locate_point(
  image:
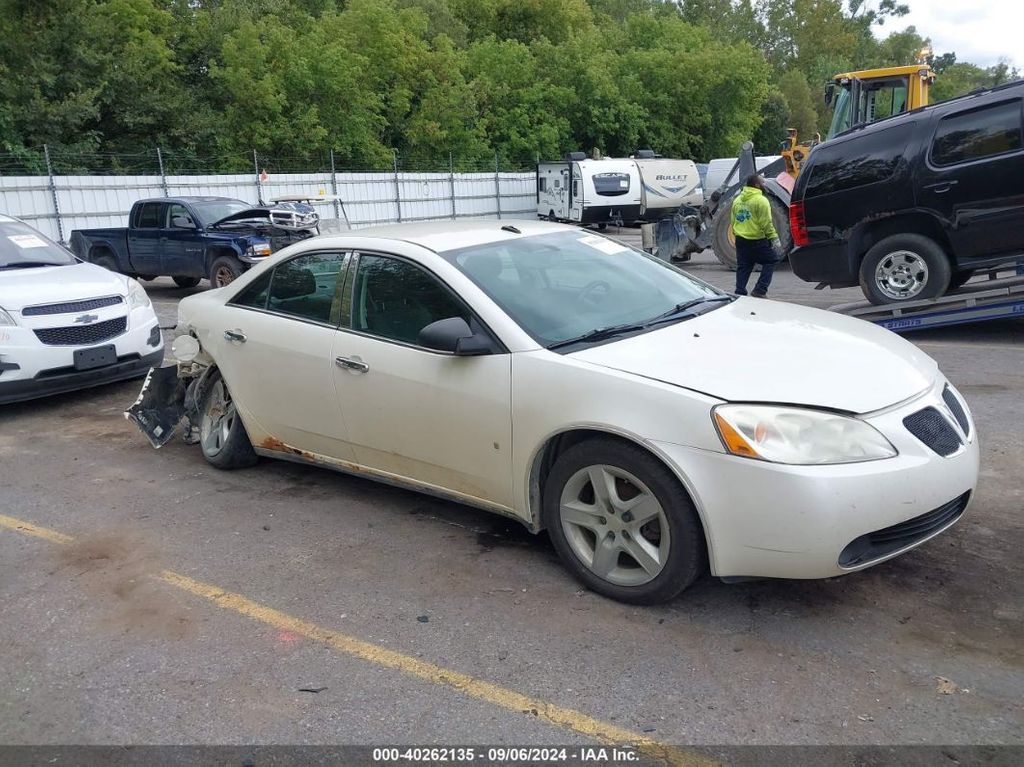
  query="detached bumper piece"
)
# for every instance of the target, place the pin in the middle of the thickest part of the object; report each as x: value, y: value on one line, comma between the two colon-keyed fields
x: 160, y: 406
x: 883, y: 542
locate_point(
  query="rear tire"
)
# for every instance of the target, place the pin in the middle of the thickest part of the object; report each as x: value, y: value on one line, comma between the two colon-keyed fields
x: 723, y: 240
x: 224, y: 271
x: 186, y: 282
x: 106, y: 261
x: 146, y: 277
x: 622, y: 523
x: 904, y: 267
x: 222, y: 437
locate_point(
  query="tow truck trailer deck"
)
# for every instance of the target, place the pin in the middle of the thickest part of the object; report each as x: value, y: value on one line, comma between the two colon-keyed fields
x: 992, y: 299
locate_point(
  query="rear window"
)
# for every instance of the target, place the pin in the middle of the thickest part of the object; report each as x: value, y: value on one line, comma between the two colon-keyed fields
x: 866, y: 159
x: 979, y: 133
x: 148, y: 216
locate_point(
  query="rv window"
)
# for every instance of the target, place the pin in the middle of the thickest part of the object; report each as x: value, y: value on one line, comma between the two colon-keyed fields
x: 611, y: 184
x: 575, y: 188
x: 557, y: 183
x: 542, y: 184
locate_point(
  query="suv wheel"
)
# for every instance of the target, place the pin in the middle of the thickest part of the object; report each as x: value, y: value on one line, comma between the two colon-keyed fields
x: 904, y: 267
x: 622, y: 523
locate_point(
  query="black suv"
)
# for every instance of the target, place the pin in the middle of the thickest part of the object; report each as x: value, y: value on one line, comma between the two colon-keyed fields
x: 910, y: 205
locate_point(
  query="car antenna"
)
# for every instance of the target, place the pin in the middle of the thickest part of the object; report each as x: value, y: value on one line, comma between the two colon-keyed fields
x: 510, y: 228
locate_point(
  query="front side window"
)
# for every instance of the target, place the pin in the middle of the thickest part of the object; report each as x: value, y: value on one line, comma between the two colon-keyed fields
x: 307, y: 287
x: 562, y: 285
x: 395, y: 299
x: 179, y: 218
x: 977, y: 134
x: 149, y: 215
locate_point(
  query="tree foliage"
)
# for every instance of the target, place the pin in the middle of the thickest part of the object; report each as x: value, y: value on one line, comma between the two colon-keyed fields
x: 425, y: 79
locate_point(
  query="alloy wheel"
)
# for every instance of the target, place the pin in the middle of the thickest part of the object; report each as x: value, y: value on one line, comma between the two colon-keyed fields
x: 615, y: 525
x: 223, y: 276
x: 901, y: 275
x: 218, y: 418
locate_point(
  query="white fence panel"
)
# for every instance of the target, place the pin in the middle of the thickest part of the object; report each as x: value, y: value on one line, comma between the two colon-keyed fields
x: 88, y: 202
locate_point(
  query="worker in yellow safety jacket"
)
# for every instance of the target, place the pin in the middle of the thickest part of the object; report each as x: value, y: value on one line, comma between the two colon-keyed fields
x: 757, y: 242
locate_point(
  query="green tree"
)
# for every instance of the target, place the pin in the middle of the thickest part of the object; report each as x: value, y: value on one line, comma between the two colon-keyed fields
x: 802, y: 115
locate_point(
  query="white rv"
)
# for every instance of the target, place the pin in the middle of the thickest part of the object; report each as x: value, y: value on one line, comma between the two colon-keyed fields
x: 611, y: 190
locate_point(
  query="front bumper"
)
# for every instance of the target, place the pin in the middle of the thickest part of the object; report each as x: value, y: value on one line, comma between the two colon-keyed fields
x: 31, y: 369
x: 771, y: 520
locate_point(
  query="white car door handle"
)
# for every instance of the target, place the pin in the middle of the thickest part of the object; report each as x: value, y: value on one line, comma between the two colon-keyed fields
x: 235, y: 335
x: 351, y: 364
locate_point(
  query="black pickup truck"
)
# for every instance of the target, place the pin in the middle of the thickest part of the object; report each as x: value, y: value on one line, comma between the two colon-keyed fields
x: 195, y: 238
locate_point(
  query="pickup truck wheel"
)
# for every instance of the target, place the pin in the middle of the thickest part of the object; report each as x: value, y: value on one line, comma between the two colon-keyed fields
x: 107, y: 262
x: 186, y: 282
x: 224, y: 271
x: 146, y: 277
x: 904, y: 267
x: 222, y: 436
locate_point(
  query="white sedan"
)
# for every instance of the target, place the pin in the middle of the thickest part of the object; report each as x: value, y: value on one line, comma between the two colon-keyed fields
x: 653, y: 425
x: 65, y: 324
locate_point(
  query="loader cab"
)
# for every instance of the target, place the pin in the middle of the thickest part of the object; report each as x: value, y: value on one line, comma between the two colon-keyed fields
x: 872, y: 94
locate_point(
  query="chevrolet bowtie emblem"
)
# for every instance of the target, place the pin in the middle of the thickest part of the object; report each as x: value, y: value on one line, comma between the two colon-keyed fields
x: 85, y: 319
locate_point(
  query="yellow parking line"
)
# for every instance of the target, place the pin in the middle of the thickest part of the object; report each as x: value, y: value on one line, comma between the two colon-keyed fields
x: 470, y: 686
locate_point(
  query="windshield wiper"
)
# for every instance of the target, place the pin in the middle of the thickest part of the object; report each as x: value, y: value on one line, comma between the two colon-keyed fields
x: 683, y: 310
x: 29, y: 264
x: 598, y: 334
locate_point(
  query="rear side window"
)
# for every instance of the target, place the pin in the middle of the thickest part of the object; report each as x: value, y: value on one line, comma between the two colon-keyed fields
x: 148, y: 216
x: 866, y: 159
x: 979, y: 133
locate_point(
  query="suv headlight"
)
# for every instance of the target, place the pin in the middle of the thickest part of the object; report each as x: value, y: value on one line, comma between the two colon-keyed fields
x: 798, y: 435
x: 137, y: 298
x: 6, y: 319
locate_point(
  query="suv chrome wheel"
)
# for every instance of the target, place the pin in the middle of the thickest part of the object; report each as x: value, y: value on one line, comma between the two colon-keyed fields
x: 615, y: 525
x: 901, y: 275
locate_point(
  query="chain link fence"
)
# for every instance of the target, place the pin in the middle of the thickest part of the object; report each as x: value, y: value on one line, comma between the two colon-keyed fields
x: 58, y: 191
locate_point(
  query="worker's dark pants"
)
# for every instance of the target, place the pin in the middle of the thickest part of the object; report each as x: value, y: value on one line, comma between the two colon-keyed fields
x: 748, y: 254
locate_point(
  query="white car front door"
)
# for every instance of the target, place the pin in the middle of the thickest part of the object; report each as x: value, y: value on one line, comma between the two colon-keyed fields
x: 435, y: 418
x: 273, y: 347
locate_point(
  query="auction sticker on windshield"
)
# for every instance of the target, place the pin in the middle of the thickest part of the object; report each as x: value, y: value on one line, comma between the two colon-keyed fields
x: 602, y: 244
x: 26, y: 241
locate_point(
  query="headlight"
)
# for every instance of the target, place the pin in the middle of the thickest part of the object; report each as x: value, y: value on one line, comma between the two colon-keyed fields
x: 5, y: 318
x: 798, y: 436
x: 258, y: 249
x: 137, y: 298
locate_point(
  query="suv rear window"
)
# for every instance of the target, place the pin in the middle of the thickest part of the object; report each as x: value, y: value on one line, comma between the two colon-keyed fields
x: 979, y: 133
x: 861, y: 160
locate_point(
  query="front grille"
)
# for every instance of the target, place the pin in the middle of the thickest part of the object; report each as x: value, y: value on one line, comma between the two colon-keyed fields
x: 956, y: 409
x: 882, y: 542
x: 76, y: 335
x: 933, y: 430
x: 71, y: 306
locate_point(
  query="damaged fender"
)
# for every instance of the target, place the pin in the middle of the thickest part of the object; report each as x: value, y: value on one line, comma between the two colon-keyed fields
x: 168, y: 395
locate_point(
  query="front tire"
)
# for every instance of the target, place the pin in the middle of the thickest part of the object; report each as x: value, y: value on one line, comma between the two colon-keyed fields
x: 224, y: 271
x: 622, y: 523
x: 222, y: 437
x: 904, y: 267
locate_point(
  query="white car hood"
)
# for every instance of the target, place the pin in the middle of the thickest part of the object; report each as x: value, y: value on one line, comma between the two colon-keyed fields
x: 55, y: 284
x: 755, y: 350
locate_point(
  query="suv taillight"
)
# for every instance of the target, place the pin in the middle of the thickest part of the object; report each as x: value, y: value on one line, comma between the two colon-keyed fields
x: 798, y: 224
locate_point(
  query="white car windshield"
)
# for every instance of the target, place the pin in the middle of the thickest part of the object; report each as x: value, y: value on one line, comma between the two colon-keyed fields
x: 576, y: 286
x: 22, y: 247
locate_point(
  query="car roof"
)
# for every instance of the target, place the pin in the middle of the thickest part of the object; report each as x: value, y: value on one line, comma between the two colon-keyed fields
x: 450, y: 235
x: 191, y: 198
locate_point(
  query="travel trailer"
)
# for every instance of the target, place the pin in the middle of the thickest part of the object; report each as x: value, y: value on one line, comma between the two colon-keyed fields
x: 644, y: 187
